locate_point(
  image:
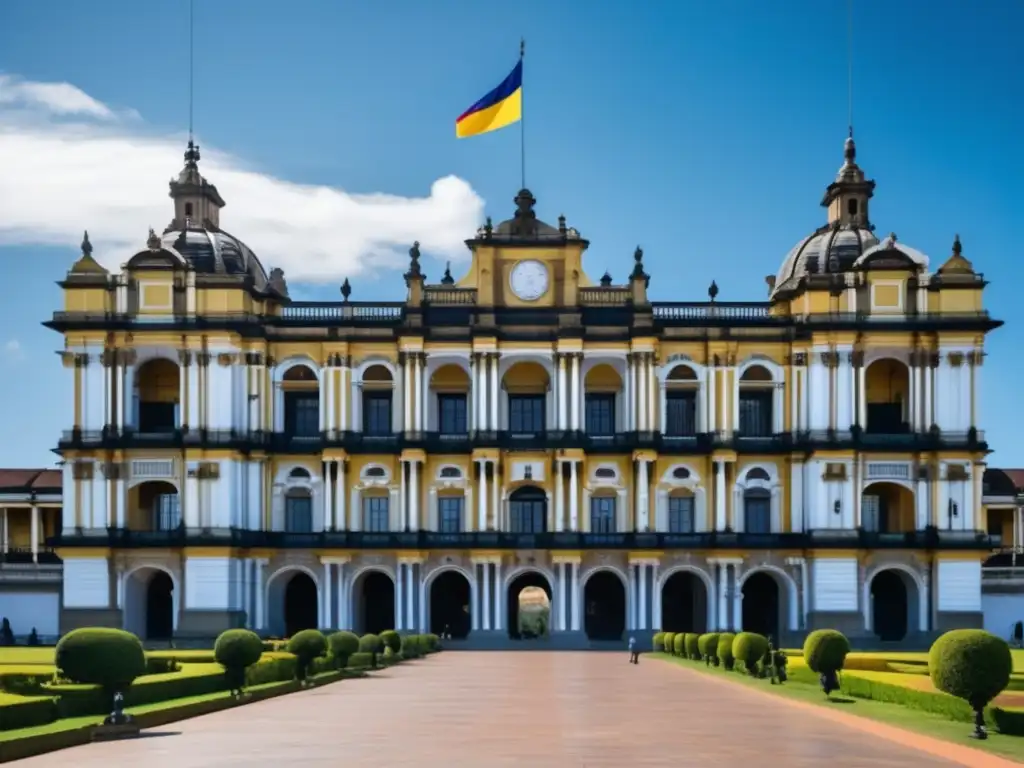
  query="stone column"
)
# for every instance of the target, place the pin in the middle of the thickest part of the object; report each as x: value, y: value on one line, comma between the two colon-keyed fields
x: 410, y: 598
x: 644, y: 615
x: 495, y: 390
x: 414, y: 496
x: 644, y: 516
x: 482, y: 514
x: 329, y: 524
x: 720, y: 509
x: 627, y: 395
x: 328, y: 599
x: 400, y: 596
x: 481, y: 384
x: 576, y: 597
x: 422, y: 387
x: 261, y: 621
x: 406, y: 391
x: 487, y: 596
x: 341, y: 514
x: 559, y: 498
x: 575, y: 425
x: 34, y: 532
x: 631, y: 601
x: 562, y: 421
x: 574, y: 516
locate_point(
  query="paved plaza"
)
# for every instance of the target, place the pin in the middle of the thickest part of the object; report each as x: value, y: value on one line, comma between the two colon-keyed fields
x: 536, y: 709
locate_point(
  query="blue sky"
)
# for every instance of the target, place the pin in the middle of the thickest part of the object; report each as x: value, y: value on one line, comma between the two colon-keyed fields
x: 705, y: 132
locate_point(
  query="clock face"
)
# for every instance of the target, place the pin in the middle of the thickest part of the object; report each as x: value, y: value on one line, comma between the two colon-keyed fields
x: 529, y: 280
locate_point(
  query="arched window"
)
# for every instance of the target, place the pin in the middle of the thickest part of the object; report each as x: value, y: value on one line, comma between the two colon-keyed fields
x: 681, y: 388
x: 757, y: 511
x: 298, y: 511
x: 681, y: 473
x: 375, y: 472
x: 605, y: 473
x: 527, y: 510
x: 757, y: 473
x: 756, y: 394
x: 299, y: 473
x: 451, y: 473
x: 851, y: 206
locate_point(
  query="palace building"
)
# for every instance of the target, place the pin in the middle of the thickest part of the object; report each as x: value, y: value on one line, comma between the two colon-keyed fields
x: 237, y: 458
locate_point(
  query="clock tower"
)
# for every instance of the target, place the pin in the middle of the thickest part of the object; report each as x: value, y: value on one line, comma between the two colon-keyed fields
x: 526, y: 263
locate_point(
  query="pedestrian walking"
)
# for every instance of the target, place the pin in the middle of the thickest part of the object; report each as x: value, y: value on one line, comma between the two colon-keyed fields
x: 634, y: 654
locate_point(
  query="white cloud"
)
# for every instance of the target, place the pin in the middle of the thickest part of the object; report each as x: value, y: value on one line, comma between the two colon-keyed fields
x: 71, y: 163
x: 12, y: 351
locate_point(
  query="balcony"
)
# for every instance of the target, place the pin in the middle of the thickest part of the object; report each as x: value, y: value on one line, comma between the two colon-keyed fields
x: 23, y: 556
x: 130, y: 539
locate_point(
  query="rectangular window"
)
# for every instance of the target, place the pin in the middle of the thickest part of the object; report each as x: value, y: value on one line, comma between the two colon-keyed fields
x: 377, y: 413
x: 375, y: 515
x: 449, y: 512
x: 602, y: 514
x: 451, y: 414
x: 166, y: 512
x: 757, y: 512
x: 681, y: 414
x: 298, y: 514
x: 301, y: 414
x: 600, y: 414
x: 680, y: 514
x: 158, y: 417
x: 756, y: 414
x: 526, y: 414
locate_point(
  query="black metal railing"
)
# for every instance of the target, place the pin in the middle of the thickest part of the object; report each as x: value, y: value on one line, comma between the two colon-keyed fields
x: 561, y: 540
x: 24, y: 556
x: 443, y: 442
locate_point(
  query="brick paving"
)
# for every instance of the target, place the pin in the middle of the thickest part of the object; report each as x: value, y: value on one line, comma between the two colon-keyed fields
x: 537, y: 709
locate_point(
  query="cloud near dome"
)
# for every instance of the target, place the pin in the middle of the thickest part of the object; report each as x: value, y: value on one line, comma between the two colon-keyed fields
x: 73, y: 163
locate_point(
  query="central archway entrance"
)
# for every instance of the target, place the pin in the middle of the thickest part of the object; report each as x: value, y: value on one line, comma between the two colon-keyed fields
x: 761, y: 605
x: 450, y: 603
x: 160, y: 607
x: 684, y: 603
x: 890, y: 605
x: 300, y: 604
x: 604, y: 603
x: 375, y: 603
x: 528, y: 604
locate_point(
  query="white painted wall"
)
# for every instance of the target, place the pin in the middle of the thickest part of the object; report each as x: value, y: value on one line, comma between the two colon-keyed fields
x: 959, y: 585
x: 86, y: 582
x: 834, y: 584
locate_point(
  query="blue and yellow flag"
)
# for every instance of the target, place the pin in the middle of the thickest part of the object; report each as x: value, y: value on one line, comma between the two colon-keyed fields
x: 502, y: 106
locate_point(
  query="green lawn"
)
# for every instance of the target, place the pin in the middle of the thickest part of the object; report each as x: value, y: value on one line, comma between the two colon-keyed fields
x: 892, y: 714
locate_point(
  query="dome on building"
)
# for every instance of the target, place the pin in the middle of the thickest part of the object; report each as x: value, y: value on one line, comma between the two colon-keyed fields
x: 848, y: 241
x: 212, y: 252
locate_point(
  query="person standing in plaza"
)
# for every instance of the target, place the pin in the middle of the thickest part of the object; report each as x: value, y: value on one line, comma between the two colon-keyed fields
x: 634, y: 654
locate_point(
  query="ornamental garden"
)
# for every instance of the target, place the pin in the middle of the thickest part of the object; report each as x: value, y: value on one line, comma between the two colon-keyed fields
x: 101, y: 683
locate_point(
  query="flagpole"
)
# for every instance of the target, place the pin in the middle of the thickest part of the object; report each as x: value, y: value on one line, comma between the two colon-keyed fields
x: 522, y: 119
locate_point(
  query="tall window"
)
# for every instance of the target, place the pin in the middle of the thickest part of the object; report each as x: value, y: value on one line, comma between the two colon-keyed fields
x: 681, y: 414
x: 600, y: 413
x: 375, y: 514
x: 680, y: 514
x: 298, y: 512
x: 302, y: 414
x: 166, y: 512
x: 757, y: 511
x: 377, y: 413
x: 756, y: 413
x: 602, y: 514
x: 874, y: 513
x: 451, y: 414
x: 526, y: 413
x: 450, y: 514
x: 527, y: 511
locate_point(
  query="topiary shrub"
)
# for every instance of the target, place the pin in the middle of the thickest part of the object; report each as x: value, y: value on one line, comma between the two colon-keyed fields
x: 973, y: 665
x: 306, y: 645
x: 372, y: 645
x: 670, y: 642
x: 342, y: 645
x: 707, y: 645
x: 690, y: 644
x: 825, y: 653
x: 750, y: 648
x: 724, y: 650
x: 658, y: 641
x: 413, y: 646
x: 236, y: 650
x: 392, y: 640
x: 109, y: 658
x: 679, y: 644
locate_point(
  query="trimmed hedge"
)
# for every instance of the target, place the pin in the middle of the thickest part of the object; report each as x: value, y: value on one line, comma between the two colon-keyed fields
x: 971, y: 664
x: 750, y: 648
x: 658, y: 641
x: 111, y: 658
x: 391, y: 640
x: 690, y: 643
x: 342, y: 645
x: 679, y: 644
x: 707, y: 644
x: 825, y: 650
x: 724, y: 649
x: 670, y: 642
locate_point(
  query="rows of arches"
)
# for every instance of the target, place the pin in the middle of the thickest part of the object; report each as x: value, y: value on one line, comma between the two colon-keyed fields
x: 156, y: 396
x: 893, y: 603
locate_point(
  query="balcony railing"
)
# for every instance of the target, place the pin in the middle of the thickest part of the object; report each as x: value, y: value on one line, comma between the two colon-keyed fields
x: 819, y: 539
x: 23, y: 556
x: 361, y: 442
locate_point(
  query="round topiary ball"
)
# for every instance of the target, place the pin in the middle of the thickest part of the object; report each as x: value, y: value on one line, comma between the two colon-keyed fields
x: 825, y: 651
x: 749, y: 648
x: 724, y: 649
x: 690, y: 645
x: 307, y: 645
x: 111, y: 658
x: 391, y: 640
x: 343, y: 644
x: 679, y: 644
x: 236, y: 650
x: 971, y: 664
x: 370, y: 643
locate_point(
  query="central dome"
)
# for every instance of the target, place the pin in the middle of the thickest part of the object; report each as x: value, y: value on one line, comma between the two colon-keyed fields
x: 831, y: 249
x: 213, y: 252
